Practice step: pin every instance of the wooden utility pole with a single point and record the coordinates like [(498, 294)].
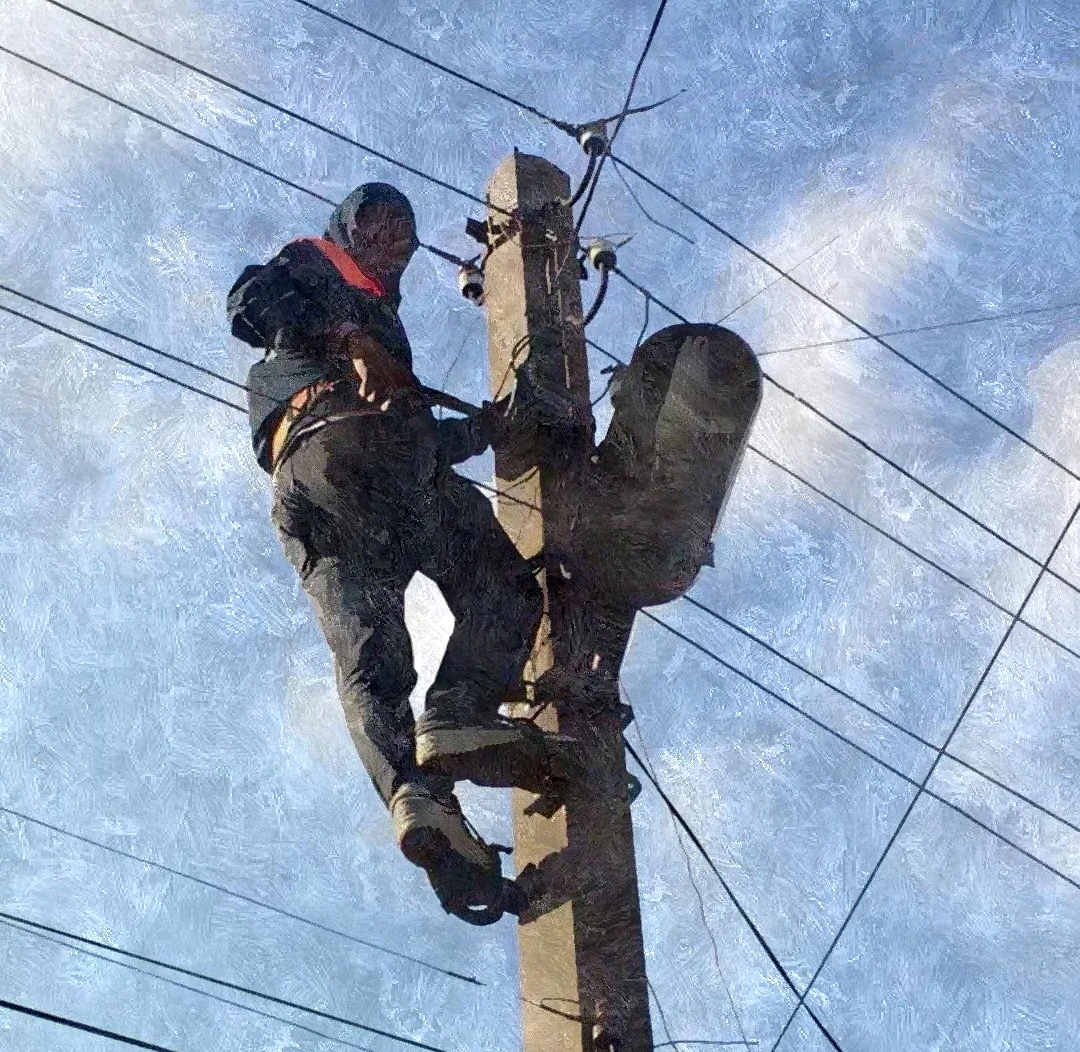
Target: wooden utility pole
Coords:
[(581, 951)]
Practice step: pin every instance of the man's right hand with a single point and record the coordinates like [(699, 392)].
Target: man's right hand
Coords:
[(381, 377)]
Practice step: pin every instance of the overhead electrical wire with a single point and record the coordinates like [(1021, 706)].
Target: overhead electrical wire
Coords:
[(86, 1028), (263, 101), (37, 927), (625, 111), (926, 779), (292, 1024), (840, 736), (978, 320), (837, 426), (238, 896), (895, 724), (922, 370)]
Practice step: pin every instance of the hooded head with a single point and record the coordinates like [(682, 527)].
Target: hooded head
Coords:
[(376, 226)]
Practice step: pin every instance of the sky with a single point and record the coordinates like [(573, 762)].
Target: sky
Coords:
[(165, 691)]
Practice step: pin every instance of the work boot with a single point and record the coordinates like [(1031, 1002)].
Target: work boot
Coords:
[(497, 751), (464, 872)]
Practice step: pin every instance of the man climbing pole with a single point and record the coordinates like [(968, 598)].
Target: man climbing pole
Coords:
[(364, 498)]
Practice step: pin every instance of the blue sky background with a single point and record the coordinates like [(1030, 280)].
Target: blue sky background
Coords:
[(163, 687)]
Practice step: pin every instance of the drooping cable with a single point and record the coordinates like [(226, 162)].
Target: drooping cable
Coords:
[(703, 851), (926, 779), (222, 889), (235, 987), (698, 897), (263, 101), (867, 334)]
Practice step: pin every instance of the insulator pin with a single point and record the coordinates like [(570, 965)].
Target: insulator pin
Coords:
[(471, 283), (601, 253), (593, 138)]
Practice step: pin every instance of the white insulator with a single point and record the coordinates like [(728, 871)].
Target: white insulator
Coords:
[(471, 282), (594, 138), (601, 253)]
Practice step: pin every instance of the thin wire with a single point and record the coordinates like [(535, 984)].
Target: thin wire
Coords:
[(9, 917), (239, 896), (875, 712), (262, 100), (858, 748), (776, 281), (625, 111), (456, 74), (645, 212), (919, 555), (228, 154), (660, 1009), (927, 328), (86, 1028), (121, 336), (922, 370), (926, 778), (122, 358), (697, 894), (864, 444), (696, 841), (183, 986)]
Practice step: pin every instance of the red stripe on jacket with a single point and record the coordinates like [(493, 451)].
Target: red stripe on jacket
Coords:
[(346, 266)]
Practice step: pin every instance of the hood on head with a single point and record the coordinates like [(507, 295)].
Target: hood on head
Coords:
[(342, 225)]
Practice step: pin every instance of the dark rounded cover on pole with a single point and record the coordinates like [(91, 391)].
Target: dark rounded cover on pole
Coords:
[(683, 410)]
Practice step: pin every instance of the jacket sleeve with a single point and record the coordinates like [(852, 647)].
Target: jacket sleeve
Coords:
[(285, 302), (461, 439)]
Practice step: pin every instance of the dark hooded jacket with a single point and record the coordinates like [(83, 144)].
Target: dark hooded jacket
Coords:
[(289, 305)]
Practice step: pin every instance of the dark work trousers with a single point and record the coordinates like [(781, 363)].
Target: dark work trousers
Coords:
[(360, 507)]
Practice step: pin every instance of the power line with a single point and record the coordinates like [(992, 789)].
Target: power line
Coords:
[(122, 336), (836, 425), (821, 725), (765, 645), (700, 904), (121, 358), (919, 555), (86, 1028), (625, 110), (926, 328), (262, 100), (183, 986), (456, 74), (922, 370), (237, 988), (703, 851), (239, 896), (926, 778)]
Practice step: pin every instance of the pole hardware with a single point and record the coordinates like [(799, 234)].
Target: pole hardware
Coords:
[(601, 254), (471, 282)]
